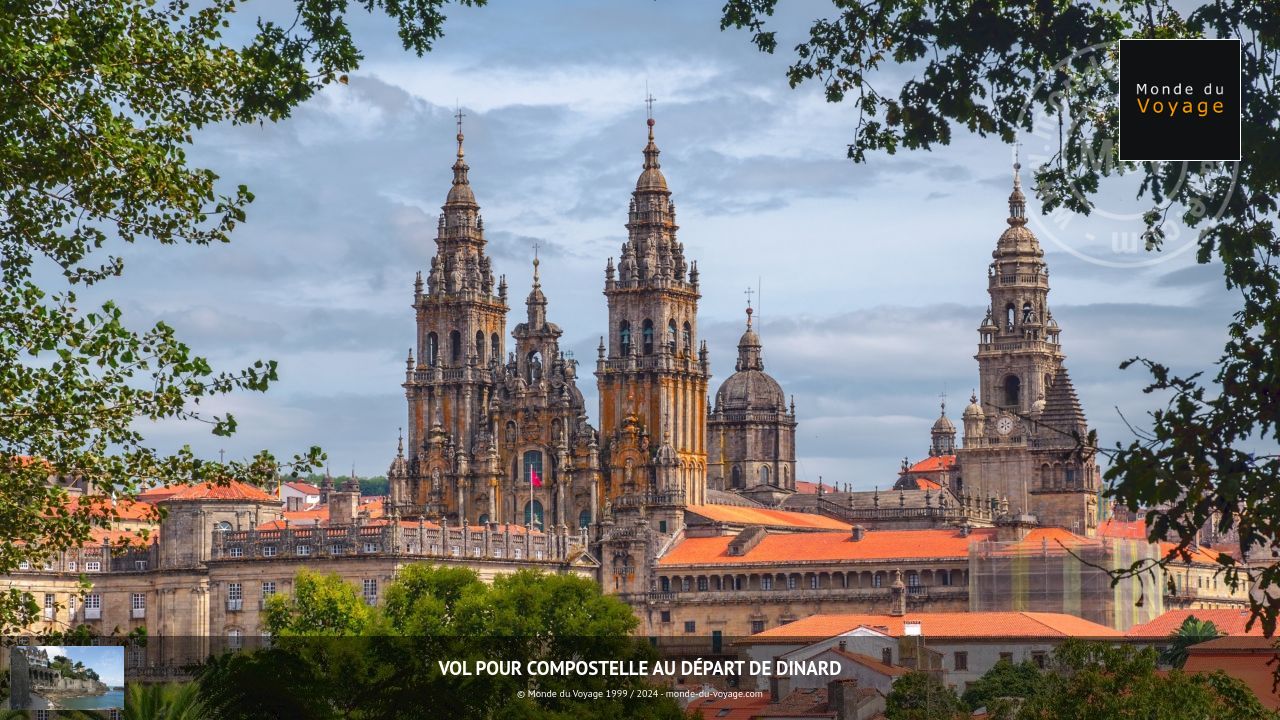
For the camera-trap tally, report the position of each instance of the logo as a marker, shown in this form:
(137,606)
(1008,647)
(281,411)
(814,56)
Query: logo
(1071,114)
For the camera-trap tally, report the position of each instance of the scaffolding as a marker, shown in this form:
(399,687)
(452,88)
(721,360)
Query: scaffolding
(1048,576)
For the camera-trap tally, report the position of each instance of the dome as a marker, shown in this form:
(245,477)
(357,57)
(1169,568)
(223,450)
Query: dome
(750,390)
(1017,239)
(652,177)
(943,424)
(974,410)
(460,194)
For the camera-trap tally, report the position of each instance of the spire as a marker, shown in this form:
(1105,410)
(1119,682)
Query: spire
(1017,201)
(749,347)
(536,302)
(460,193)
(651,178)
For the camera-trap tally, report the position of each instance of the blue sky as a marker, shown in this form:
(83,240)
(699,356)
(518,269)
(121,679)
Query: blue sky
(873,276)
(106,660)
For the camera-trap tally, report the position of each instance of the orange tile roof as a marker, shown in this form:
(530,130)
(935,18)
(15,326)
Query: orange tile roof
(934,464)
(304,488)
(160,492)
(1249,659)
(118,538)
(1195,554)
(959,625)
(806,488)
(1130,529)
(235,490)
(737,515)
(828,546)
(924,483)
(105,507)
(1231,621)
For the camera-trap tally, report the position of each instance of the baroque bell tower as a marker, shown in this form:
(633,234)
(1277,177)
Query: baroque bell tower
(653,374)
(461,321)
(1026,439)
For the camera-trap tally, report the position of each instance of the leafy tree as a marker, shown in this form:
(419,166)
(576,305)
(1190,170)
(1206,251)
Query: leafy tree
(1192,631)
(1102,682)
(331,659)
(920,695)
(1208,456)
(99,104)
(321,605)
(1003,680)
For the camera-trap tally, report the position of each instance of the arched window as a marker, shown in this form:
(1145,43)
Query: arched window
(648,337)
(1070,478)
(1009,316)
(878,580)
(455,347)
(736,480)
(786,476)
(664,582)
(584,518)
(223,526)
(686,338)
(433,349)
(484,519)
(1012,390)
(536,521)
(1027,313)
(531,472)
(624,337)
(480,347)
(495,348)
(671,335)
(764,474)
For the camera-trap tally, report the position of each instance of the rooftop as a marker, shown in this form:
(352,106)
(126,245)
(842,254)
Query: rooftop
(828,546)
(1230,621)
(763,516)
(958,625)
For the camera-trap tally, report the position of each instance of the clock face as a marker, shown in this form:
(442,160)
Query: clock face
(1004,425)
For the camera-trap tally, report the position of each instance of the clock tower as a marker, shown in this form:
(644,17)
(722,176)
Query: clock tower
(1025,437)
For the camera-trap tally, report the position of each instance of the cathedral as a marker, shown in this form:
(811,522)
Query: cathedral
(501,435)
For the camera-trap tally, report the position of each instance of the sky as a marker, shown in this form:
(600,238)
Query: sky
(872,277)
(106,660)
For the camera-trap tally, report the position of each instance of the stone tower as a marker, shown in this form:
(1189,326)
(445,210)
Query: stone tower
(653,375)
(942,437)
(461,318)
(751,435)
(1025,437)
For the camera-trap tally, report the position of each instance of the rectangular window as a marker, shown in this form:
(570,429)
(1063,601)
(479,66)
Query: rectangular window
(757,626)
(139,564)
(237,552)
(690,626)
(1038,658)
(371,547)
(304,550)
(886,656)
(666,616)
(791,582)
(71,566)
(517,553)
(138,605)
(268,588)
(455,551)
(335,549)
(371,591)
(702,584)
(813,582)
(497,552)
(477,551)
(766,582)
(1006,656)
(268,551)
(962,661)
(24,565)
(235,596)
(49,609)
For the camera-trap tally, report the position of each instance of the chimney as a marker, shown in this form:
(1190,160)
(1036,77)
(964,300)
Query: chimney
(842,698)
(843,644)
(342,507)
(858,532)
(779,688)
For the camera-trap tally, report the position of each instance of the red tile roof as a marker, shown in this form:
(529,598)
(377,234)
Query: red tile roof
(959,625)
(99,506)
(304,488)
(807,488)
(737,515)
(234,490)
(1231,621)
(871,663)
(1130,529)
(828,546)
(934,464)
(729,708)
(924,483)
(1249,659)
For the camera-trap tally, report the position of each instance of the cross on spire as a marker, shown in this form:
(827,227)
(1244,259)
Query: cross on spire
(459,115)
(943,396)
(649,100)
(749,292)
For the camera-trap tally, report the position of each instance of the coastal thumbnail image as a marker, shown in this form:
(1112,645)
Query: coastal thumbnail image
(66,682)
